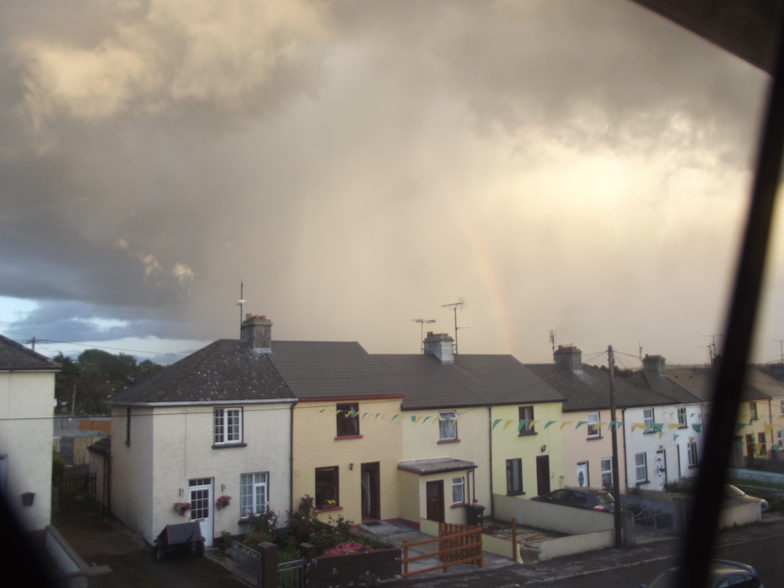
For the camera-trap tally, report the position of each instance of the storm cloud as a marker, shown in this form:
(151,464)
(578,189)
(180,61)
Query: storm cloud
(561,165)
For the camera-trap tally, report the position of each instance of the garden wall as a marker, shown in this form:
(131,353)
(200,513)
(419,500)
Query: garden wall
(355,568)
(551,517)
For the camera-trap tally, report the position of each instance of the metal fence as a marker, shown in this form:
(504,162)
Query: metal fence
(76,493)
(291,574)
(246,565)
(653,521)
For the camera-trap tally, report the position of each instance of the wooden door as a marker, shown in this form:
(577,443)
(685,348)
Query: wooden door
(435,500)
(542,474)
(371,509)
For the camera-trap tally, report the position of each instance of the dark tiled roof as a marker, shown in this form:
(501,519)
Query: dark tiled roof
(14,356)
(697,380)
(102,446)
(472,380)
(331,369)
(589,388)
(665,385)
(226,370)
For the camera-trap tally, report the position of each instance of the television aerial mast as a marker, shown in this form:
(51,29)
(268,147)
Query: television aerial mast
(240,302)
(422,322)
(454,306)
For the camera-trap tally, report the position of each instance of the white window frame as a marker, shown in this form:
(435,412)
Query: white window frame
(641,467)
(528,427)
(692,454)
(649,420)
(250,485)
(458,490)
(227,426)
(682,418)
(594,431)
(514,477)
(607,478)
(447,426)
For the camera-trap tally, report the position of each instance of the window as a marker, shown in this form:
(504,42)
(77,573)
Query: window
(753,410)
(762,447)
(607,480)
(641,467)
(782,407)
(594,430)
(253,493)
(514,477)
(348,419)
(781,439)
(647,415)
(526,420)
(447,426)
(458,490)
(327,495)
(227,426)
(693,454)
(682,417)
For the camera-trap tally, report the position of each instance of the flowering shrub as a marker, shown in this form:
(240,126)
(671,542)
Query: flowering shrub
(344,548)
(222,502)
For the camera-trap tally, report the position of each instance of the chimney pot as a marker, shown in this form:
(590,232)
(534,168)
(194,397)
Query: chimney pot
(441,346)
(257,331)
(569,356)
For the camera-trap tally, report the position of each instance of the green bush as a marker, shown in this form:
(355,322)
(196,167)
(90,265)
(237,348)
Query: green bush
(58,468)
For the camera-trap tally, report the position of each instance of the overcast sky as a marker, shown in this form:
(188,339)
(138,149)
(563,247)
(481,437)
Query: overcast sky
(558,164)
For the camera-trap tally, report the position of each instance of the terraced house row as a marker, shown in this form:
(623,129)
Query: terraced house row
(245,425)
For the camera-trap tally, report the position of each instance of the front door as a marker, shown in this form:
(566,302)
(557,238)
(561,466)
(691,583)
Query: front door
(435,500)
(370,491)
(582,475)
(201,506)
(661,467)
(542,474)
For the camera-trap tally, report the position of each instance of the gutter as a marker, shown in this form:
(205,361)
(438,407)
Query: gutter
(204,402)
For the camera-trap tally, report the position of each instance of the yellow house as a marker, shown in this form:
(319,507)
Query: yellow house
(346,444)
(448,439)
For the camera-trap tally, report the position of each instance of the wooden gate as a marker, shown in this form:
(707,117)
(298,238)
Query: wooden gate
(76,493)
(457,544)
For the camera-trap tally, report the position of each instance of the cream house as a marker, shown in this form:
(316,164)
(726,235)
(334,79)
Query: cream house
(212,431)
(26,411)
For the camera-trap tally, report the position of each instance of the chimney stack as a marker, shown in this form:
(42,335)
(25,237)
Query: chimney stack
(257,331)
(569,356)
(441,345)
(654,363)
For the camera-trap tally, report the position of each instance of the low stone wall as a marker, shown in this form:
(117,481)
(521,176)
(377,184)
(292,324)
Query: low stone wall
(738,512)
(551,517)
(552,548)
(355,568)
(756,475)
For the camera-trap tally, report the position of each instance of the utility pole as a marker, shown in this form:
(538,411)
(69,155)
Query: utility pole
(616,475)
(422,331)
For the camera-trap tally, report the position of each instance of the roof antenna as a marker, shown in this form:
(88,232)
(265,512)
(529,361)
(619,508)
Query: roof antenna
(422,331)
(240,302)
(552,340)
(454,306)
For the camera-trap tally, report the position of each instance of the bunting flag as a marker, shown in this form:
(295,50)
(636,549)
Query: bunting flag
(533,423)
(427,417)
(577,426)
(364,414)
(378,414)
(549,423)
(394,417)
(675,437)
(522,424)
(741,425)
(661,434)
(769,429)
(638,426)
(509,422)
(658,427)
(697,427)
(693,414)
(563,424)
(674,426)
(322,410)
(496,421)
(691,439)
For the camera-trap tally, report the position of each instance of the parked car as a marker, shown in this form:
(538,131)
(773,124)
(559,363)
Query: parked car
(578,497)
(723,572)
(731,491)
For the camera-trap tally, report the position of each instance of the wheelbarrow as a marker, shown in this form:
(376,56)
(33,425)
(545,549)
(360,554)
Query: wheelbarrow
(182,537)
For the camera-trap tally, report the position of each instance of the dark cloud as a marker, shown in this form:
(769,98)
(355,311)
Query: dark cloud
(357,163)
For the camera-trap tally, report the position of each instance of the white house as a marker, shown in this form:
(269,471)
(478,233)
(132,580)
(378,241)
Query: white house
(663,441)
(26,410)
(215,424)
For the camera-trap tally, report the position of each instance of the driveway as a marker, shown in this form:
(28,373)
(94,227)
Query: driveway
(107,542)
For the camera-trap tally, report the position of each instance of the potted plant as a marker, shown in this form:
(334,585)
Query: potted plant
(182,507)
(222,502)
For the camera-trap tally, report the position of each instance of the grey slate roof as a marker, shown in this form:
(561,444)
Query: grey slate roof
(435,466)
(697,380)
(103,446)
(226,370)
(589,389)
(472,380)
(14,356)
(331,369)
(664,384)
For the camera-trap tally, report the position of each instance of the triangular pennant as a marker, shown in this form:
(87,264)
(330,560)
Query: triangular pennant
(674,426)
(394,417)
(549,423)
(507,423)
(661,434)
(563,424)
(675,437)
(579,423)
(533,423)
(522,424)
(427,417)
(364,414)
(697,427)
(658,427)
(322,410)
(496,421)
